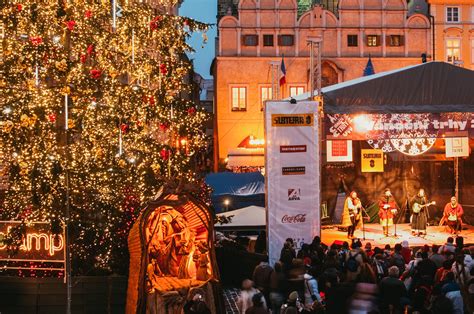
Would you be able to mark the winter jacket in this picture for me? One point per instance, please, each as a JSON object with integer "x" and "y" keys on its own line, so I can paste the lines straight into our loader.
{"x": 310, "y": 288}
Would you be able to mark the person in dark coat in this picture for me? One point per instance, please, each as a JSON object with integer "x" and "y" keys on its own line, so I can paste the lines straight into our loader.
{"x": 258, "y": 306}
{"x": 392, "y": 290}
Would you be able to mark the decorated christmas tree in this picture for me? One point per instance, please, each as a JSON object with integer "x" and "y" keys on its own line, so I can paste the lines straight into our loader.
{"x": 94, "y": 118}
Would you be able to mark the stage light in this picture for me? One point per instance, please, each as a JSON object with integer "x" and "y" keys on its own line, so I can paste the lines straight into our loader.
{"x": 362, "y": 123}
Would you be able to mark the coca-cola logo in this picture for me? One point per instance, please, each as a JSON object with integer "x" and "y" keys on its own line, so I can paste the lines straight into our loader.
{"x": 299, "y": 218}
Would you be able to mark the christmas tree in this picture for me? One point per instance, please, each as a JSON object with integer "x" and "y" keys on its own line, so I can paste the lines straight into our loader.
{"x": 93, "y": 117}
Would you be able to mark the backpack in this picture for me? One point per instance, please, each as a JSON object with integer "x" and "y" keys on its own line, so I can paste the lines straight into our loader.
{"x": 352, "y": 264}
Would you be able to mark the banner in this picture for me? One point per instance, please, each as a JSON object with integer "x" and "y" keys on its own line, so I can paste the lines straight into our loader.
{"x": 292, "y": 174}
{"x": 457, "y": 147}
{"x": 339, "y": 151}
{"x": 38, "y": 245}
{"x": 372, "y": 160}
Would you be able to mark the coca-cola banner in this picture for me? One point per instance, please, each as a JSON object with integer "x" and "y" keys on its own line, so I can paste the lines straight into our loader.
{"x": 292, "y": 174}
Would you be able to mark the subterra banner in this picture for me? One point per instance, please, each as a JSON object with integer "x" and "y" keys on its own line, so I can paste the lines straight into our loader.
{"x": 397, "y": 125}
{"x": 292, "y": 174}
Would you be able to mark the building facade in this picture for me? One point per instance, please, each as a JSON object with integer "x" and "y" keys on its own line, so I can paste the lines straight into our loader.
{"x": 454, "y": 31}
{"x": 266, "y": 31}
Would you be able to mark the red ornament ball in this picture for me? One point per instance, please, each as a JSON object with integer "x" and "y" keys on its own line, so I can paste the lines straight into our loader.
{"x": 192, "y": 111}
{"x": 95, "y": 74}
{"x": 165, "y": 154}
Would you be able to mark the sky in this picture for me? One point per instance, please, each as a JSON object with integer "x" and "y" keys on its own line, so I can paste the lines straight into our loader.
{"x": 203, "y": 11}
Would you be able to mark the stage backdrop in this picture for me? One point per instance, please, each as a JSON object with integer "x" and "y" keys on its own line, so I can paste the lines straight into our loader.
{"x": 292, "y": 174}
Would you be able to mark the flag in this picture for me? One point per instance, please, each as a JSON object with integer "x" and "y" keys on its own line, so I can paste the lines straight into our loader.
{"x": 369, "y": 68}
{"x": 283, "y": 72}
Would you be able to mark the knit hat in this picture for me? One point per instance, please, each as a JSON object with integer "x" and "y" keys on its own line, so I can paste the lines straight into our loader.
{"x": 405, "y": 244}
{"x": 293, "y": 296}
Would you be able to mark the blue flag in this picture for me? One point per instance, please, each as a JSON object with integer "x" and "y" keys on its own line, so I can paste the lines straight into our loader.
{"x": 369, "y": 68}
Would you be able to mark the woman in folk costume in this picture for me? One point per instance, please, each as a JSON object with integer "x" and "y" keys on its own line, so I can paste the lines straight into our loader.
{"x": 419, "y": 218}
{"x": 452, "y": 214}
{"x": 387, "y": 210}
{"x": 352, "y": 213}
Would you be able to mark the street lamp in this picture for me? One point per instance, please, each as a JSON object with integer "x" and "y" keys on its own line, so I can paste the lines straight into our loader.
{"x": 226, "y": 203}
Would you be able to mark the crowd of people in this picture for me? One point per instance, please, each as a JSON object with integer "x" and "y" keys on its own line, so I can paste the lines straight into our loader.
{"x": 352, "y": 278}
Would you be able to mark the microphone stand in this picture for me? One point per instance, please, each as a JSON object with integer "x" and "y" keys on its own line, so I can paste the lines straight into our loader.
{"x": 363, "y": 223}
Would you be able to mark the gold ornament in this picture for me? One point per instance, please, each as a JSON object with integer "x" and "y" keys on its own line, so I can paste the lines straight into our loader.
{"x": 23, "y": 168}
{"x": 70, "y": 123}
{"x": 24, "y": 120}
{"x": 61, "y": 65}
{"x": 7, "y": 126}
{"x": 32, "y": 120}
{"x": 122, "y": 163}
{"x": 156, "y": 168}
{"x": 66, "y": 90}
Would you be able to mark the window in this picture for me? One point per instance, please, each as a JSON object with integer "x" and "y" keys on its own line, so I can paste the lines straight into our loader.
{"x": 373, "y": 40}
{"x": 268, "y": 40}
{"x": 265, "y": 94}
{"x": 395, "y": 40}
{"x": 250, "y": 40}
{"x": 239, "y": 98}
{"x": 453, "y": 49}
{"x": 296, "y": 90}
{"x": 452, "y": 14}
{"x": 472, "y": 51}
{"x": 286, "y": 40}
{"x": 352, "y": 40}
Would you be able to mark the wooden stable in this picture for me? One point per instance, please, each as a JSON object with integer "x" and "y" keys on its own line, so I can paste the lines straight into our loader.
{"x": 172, "y": 257}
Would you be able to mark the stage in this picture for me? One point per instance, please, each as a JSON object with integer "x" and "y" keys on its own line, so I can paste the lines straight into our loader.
{"x": 374, "y": 235}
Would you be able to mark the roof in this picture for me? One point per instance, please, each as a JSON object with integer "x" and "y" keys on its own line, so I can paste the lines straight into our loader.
{"x": 229, "y": 183}
{"x": 428, "y": 87}
{"x": 251, "y": 216}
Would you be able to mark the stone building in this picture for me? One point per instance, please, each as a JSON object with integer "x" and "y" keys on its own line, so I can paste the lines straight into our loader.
{"x": 264, "y": 31}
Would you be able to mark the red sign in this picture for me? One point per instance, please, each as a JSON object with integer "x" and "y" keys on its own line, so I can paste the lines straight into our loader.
{"x": 38, "y": 245}
{"x": 339, "y": 148}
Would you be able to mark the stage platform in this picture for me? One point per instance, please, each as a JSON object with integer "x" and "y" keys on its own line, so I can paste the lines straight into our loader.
{"x": 374, "y": 234}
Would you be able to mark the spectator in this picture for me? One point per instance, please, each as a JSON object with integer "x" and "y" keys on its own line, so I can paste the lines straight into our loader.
{"x": 460, "y": 271}
{"x": 439, "y": 303}
{"x": 442, "y": 271}
{"x": 397, "y": 259}
{"x": 258, "y": 305}
{"x": 287, "y": 255}
{"x": 392, "y": 290}
{"x": 292, "y": 306}
{"x": 448, "y": 246}
{"x": 380, "y": 268}
{"x": 278, "y": 288}
{"x": 261, "y": 278}
{"x": 452, "y": 291}
{"x": 337, "y": 294}
{"x": 426, "y": 267}
{"x": 297, "y": 270}
{"x": 318, "y": 249}
{"x": 261, "y": 243}
{"x": 368, "y": 250}
{"x": 437, "y": 258}
{"x": 245, "y": 300}
{"x": 196, "y": 305}
{"x": 353, "y": 261}
{"x": 311, "y": 292}
{"x": 421, "y": 296}
{"x": 406, "y": 252}
{"x": 305, "y": 254}
{"x": 367, "y": 273}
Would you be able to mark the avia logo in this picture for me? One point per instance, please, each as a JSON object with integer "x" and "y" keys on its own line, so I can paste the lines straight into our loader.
{"x": 294, "y": 194}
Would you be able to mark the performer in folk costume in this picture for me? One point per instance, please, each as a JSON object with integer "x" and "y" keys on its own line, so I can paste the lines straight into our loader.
{"x": 452, "y": 214}
{"x": 353, "y": 209}
{"x": 419, "y": 218}
{"x": 387, "y": 210}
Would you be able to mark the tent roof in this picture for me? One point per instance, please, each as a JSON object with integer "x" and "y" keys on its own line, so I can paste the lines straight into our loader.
{"x": 427, "y": 87}
{"x": 251, "y": 216}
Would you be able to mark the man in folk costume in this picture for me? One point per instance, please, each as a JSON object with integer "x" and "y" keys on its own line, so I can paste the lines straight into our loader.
{"x": 419, "y": 218}
{"x": 387, "y": 210}
{"x": 352, "y": 212}
{"x": 452, "y": 214}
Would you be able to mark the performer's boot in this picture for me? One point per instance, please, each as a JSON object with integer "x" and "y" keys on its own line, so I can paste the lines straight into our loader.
{"x": 385, "y": 231}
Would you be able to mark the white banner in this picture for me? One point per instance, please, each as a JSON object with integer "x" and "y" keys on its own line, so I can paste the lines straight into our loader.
{"x": 457, "y": 147}
{"x": 292, "y": 174}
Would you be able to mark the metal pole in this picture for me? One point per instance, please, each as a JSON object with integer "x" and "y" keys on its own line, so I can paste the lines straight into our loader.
{"x": 67, "y": 243}
{"x": 456, "y": 177}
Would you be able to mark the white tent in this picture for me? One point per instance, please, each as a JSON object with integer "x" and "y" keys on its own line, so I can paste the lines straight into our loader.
{"x": 252, "y": 216}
